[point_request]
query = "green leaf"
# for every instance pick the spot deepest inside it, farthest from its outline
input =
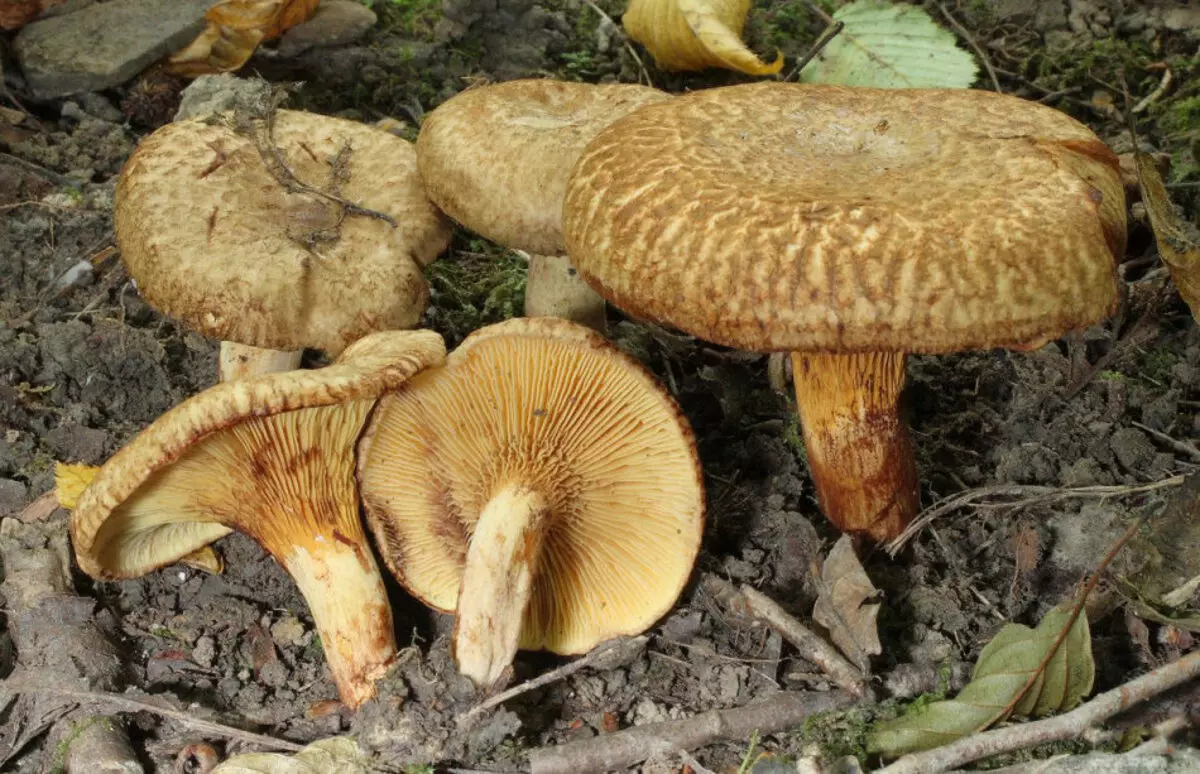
(336, 755)
(891, 46)
(1005, 667)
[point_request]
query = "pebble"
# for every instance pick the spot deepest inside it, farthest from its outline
(335, 23)
(205, 651)
(104, 44)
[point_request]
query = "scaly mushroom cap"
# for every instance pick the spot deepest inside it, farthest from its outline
(776, 216)
(496, 158)
(545, 407)
(212, 238)
(271, 456)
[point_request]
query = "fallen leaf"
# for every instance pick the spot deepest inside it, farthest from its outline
(235, 28)
(847, 605)
(206, 560)
(891, 46)
(15, 14)
(998, 688)
(695, 34)
(1178, 239)
(70, 481)
(337, 755)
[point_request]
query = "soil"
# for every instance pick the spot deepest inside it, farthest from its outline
(85, 364)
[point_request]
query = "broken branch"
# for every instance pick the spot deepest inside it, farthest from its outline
(1068, 726)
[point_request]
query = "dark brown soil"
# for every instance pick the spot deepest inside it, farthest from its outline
(85, 364)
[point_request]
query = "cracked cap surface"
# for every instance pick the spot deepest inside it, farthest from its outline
(212, 238)
(778, 217)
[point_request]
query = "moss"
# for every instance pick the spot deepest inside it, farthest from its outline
(418, 768)
(477, 284)
(839, 734)
(411, 18)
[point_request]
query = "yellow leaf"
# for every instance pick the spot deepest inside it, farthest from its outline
(235, 28)
(70, 481)
(1178, 240)
(695, 34)
(206, 560)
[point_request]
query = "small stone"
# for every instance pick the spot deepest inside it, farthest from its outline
(646, 711)
(335, 23)
(13, 496)
(287, 632)
(274, 674)
(105, 44)
(210, 94)
(1133, 449)
(205, 651)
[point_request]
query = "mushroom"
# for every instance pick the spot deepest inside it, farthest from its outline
(496, 158)
(238, 250)
(543, 484)
(271, 456)
(850, 227)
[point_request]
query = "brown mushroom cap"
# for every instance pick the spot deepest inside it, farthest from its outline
(212, 238)
(271, 456)
(777, 216)
(543, 409)
(496, 158)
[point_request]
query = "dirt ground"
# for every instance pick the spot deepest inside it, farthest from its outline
(85, 364)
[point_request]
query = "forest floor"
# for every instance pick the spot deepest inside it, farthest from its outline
(85, 364)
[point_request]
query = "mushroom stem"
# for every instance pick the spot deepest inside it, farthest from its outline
(555, 289)
(497, 583)
(239, 361)
(859, 453)
(345, 593)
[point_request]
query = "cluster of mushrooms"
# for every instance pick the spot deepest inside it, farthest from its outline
(536, 481)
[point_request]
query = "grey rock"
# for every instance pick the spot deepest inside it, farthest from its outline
(211, 94)
(105, 44)
(336, 23)
(1133, 449)
(13, 496)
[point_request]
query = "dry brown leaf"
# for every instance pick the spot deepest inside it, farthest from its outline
(1178, 239)
(15, 14)
(235, 28)
(847, 605)
(695, 34)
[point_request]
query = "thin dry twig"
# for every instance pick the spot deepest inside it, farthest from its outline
(809, 644)
(967, 36)
(597, 654)
(1159, 90)
(131, 704)
(642, 71)
(828, 34)
(1025, 495)
(1180, 446)
(621, 749)
(1068, 726)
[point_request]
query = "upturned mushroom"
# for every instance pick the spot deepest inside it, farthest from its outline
(851, 227)
(245, 234)
(271, 456)
(496, 159)
(541, 484)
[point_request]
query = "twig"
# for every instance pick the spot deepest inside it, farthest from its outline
(621, 749)
(129, 704)
(642, 71)
(598, 653)
(1028, 495)
(39, 169)
(1180, 446)
(967, 36)
(810, 645)
(1070, 725)
(1159, 90)
(828, 34)
(821, 12)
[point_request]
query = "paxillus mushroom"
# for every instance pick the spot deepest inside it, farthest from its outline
(271, 456)
(542, 485)
(245, 235)
(496, 159)
(850, 227)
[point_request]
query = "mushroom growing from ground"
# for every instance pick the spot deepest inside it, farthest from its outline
(496, 159)
(851, 227)
(236, 248)
(271, 456)
(542, 484)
